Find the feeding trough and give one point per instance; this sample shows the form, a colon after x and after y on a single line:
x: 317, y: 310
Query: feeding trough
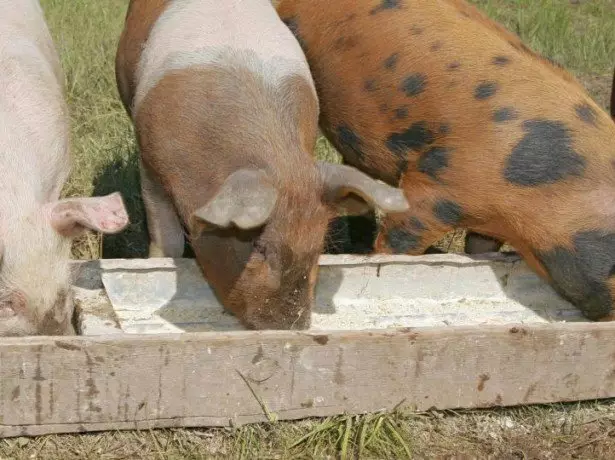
x: 437, y: 331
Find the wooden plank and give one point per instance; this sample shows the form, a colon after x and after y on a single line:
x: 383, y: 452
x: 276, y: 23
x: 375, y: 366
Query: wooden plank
x: 76, y: 384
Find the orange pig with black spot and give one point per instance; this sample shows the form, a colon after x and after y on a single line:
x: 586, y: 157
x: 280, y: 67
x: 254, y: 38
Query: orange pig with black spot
x: 480, y: 132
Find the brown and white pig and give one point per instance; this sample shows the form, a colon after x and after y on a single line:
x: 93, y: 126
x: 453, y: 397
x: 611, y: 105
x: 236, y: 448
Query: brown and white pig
x: 226, y: 118
x: 479, y: 131
x: 36, y: 227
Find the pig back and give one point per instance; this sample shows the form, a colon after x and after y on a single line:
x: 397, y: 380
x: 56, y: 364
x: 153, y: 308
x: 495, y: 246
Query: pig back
x: 195, y: 33
x: 33, y: 112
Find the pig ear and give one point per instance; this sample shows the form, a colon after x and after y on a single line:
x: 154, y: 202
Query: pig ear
x: 73, y: 216
x: 354, y: 192
x: 246, y: 200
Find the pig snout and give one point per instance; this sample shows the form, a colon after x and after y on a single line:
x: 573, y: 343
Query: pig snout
x: 277, y: 302
x: 22, y: 316
x: 292, y: 315
x: 296, y: 311
x: 585, y: 273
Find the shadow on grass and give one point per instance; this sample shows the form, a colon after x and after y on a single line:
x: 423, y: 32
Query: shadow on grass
x: 122, y: 174
x: 351, y: 235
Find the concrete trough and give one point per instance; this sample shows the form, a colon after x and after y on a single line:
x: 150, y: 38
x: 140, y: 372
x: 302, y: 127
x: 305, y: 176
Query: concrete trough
x: 154, y: 296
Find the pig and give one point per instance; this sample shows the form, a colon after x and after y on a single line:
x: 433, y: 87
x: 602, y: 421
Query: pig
x: 226, y: 118
x: 479, y: 131
x: 36, y: 226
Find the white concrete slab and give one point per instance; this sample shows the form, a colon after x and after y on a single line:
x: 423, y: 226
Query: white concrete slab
x: 154, y: 296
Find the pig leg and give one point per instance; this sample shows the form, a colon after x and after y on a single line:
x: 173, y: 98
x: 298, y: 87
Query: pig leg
x: 480, y: 244
x: 410, y: 233
x: 163, y: 224
x: 431, y: 217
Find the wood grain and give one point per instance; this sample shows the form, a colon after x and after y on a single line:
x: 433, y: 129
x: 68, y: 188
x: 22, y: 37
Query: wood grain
x: 78, y: 384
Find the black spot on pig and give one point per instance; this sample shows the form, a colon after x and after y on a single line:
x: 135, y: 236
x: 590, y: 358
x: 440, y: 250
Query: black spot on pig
x: 349, y: 141
x: 445, y: 128
x: 485, y: 90
x: 401, y: 113
x: 401, y: 240
x: 416, y: 224
x: 346, y: 43
x: 416, y: 137
x: 437, y: 46
x: 544, y: 155
x: 386, y: 5
x: 501, y: 60
x: 505, y: 114
x: 580, y: 274
x: 448, y: 212
x: 433, y: 161
x: 391, y: 62
x: 416, y: 30
x: 586, y: 113
x: 453, y: 66
x: 414, y: 84
x: 370, y: 85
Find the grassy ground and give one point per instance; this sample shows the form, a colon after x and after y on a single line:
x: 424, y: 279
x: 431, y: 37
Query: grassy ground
x: 578, y: 34
x: 553, y: 432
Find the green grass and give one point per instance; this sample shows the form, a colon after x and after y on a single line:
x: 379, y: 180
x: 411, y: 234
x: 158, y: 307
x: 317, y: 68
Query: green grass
x: 579, y: 36
x: 104, y: 149
x: 536, y: 432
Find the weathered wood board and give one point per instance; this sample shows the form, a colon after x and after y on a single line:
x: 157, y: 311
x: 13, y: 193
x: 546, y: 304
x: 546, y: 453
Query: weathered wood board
x: 156, y: 296
x: 77, y: 384
x: 136, y: 367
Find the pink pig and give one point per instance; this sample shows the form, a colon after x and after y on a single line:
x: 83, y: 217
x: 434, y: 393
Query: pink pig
x: 36, y: 227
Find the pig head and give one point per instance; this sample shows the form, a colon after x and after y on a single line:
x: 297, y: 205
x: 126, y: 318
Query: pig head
x: 35, y: 277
